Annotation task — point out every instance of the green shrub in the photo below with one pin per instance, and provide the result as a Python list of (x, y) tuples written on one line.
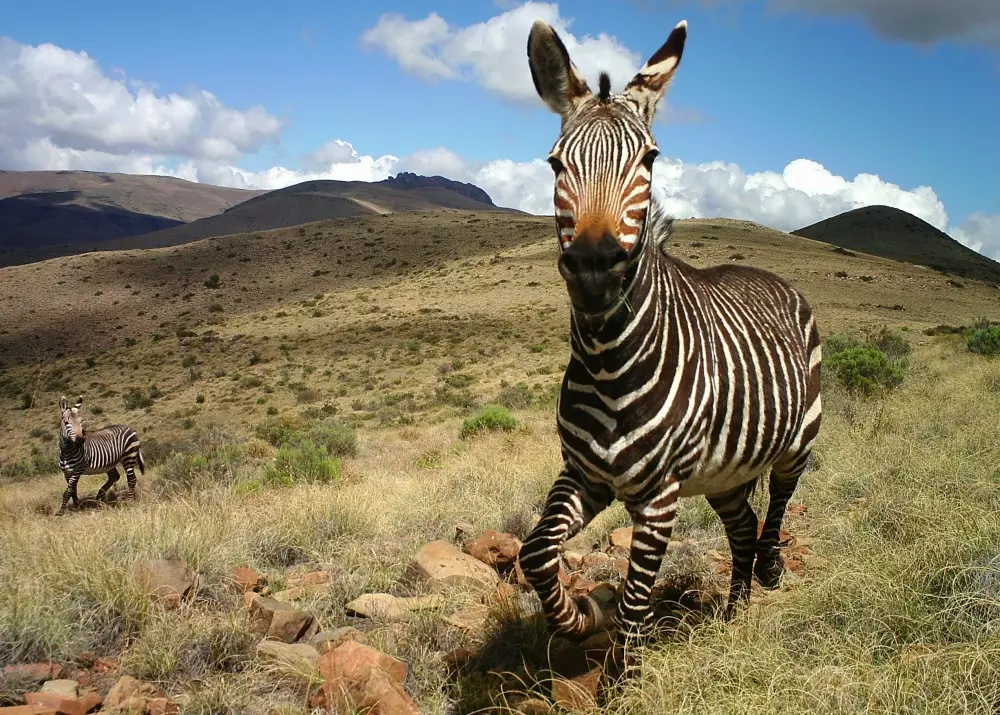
[(213, 281), (213, 456), (302, 462), (866, 369), (279, 430), (490, 418), (134, 399), (984, 341), (515, 397), (338, 439)]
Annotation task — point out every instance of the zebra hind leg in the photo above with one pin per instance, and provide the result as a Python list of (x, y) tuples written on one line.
[(113, 476), (740, 521), (130, 479), (570, 506), (784, 478)]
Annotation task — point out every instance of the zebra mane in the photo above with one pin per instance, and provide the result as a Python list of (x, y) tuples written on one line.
[(604, 87), (659, 226)]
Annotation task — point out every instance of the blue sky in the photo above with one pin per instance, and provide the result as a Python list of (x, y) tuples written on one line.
[(910, 96)]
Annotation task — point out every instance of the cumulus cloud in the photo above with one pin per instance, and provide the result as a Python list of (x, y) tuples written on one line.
[(980, 232), (492, 53), (59, 109)]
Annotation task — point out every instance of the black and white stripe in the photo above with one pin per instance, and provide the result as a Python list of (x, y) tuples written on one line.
[(681, 381), (95, 452)]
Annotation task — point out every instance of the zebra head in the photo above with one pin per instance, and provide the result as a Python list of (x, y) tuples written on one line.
[(72, 421), (603, 163)]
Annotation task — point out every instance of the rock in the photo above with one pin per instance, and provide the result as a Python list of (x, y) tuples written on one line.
[(621, 538), (64, 688), (300, 658), (32, 673), (580, 585), (533, 706), (290, 594), (386, 607), (64, 704), (444, 567), (162, 706), (597, 560), (27, 710), (574, 559), (349, 659), (313, 578), (247, 579), (464, 530), (471, 620), (278, 620), (495, 549), (583, 542), (168, 581), (356, 677), (579, 693), (328, 640), (131, 695), (457, 659)]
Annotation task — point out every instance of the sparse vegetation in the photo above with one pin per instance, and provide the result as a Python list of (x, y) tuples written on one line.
[(870, 365), (490, 418), (984, 341)]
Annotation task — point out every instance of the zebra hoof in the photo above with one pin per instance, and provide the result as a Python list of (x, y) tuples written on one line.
[(768, 571)]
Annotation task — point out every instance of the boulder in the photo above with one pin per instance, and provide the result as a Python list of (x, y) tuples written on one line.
[(356, 677), (28, 710), (280, 621), (131, 695), (386, 607), (325, 641), (578, 693), (348, 660), (621, 538), (471, 620), (247, 579), (495, 549), (63, 704), (300, 658), (167, 581), (32, 673), (444, 567), (162, 706)]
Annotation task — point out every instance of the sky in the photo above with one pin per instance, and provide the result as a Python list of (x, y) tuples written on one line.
[(783, 112)]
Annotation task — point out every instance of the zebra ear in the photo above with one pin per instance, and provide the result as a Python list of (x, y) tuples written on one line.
[(650, 83), (63, 403), (79, 401), (557, 81)]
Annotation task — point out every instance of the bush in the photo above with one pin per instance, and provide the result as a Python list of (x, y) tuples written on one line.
[(337, 438), (302, 462), (134, 399), (984, 341), (490, 418), (866, 369), (213, 281), (515, 397)]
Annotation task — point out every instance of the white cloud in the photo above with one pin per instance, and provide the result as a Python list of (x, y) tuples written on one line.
[(492, 53), (980, 232), (59, 109)]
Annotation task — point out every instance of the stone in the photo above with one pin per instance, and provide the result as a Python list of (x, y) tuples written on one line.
[(313, 578), (278, 620), (533, 706), (372, 692), (574, 559), (328, 640), (457, 659), (247, 579), (167, 581), (300, 658), (28, 710), (621, 538), (290, 594), (463, 530), (33, 673), (131, 695), (64, 704), (348, 661), (65, 688), (496, 549), (444, 567), (386, 607), (471, 620), (581, 585), (162, 706), (578, 693), (597, 560), (583, 542)]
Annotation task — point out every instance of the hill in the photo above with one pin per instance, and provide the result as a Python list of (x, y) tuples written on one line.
[(312, 201), (307, 417), (891, 233), (52, 213)]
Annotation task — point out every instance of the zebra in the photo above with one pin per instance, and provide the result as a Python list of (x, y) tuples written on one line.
[(680, 381), (96, 452)]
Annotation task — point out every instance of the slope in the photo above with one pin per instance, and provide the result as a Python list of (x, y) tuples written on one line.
[(891, 233)]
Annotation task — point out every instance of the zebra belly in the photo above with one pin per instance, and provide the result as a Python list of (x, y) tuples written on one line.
[(709, 482)]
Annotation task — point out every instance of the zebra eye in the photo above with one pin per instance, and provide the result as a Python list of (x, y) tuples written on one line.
[(557, 166), (650, 157)]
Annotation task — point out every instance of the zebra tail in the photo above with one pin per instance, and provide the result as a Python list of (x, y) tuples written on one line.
[(141, 462)]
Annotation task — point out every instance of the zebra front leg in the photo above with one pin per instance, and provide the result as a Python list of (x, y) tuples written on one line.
[(571, 504), (740, 522), (652, 525), (113, 476), (770, 566), (70, 493)]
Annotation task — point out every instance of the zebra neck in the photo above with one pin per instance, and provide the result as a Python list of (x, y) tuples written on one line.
[(68, 448)]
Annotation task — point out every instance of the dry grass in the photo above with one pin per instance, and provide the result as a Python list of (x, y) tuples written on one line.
[(897, 610)]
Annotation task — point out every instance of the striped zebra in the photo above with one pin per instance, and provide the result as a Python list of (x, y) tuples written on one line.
[(96, 452), (681, 381)]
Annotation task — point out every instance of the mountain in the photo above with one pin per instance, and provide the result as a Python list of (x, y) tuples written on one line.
[(44, 214), (323, 200), (892, 233)]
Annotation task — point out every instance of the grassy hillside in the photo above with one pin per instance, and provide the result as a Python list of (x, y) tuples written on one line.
[(891, 233), (54, 213), (893, 607)]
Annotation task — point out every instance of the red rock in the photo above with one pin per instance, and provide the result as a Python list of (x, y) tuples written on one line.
[(443, 566), (325, 641), (621, 538), (104, 665), (33, 672), (131, 695), (278, 620), (28, 710), (580, 585), (372, 692), (314, 578), (247, 579), (579, 693), (457, 659), (64, 705), (349, 659), (495, 549), (598, 559), (167, 581), (162, 706)]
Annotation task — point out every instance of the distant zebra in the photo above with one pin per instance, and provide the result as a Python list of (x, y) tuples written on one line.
[(96, 452), (681, 381)]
